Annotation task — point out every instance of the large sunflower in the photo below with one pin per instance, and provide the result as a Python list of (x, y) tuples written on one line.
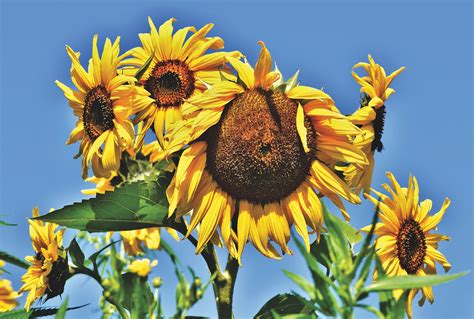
[(370, 117), (404, 243), (259, 151), (103, 103), (49, 269), (178, 70)]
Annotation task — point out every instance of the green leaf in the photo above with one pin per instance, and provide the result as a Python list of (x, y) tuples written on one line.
[(76, 253), (61, 314), (399, 309), (302, 282), (6, 257), (33, 313), (132, 206), (144, 67), (318, 249), (2, 223), (135, 294), (284, 304), (352, 235), (411, 281), (337, 244), (16, 314), (292, 82)]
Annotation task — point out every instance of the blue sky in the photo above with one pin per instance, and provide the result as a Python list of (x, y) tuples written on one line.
[(428, 131)]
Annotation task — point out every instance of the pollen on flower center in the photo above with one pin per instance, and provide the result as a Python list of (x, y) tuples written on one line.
[(254, 152), (98, 114), (170, 83), (411, 246)]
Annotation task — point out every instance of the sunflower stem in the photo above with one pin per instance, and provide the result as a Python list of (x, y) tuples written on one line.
[(86, 271), (225, 283)]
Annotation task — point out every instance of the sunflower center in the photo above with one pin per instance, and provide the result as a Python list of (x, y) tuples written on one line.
[(254, 152), (411, 246), (57, 278), (98, 114), (170, 83)]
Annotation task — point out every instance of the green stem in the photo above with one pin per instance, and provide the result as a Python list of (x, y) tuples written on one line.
[(86, 271), (225, 283)]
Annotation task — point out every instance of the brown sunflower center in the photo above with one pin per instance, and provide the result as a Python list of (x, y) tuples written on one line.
[(254, 152), (98, 114), (170, 83), (411, 246)]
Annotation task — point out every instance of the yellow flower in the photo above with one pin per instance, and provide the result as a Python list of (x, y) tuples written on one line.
[(49, 269), (179, 70), (103, 103), (370, 117), (256, 157), (133, 240), (102, 185), (404, 243), (7, 295), (142, 267)]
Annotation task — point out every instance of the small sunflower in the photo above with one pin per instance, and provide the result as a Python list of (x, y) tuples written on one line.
[(142, 267), (134, 240), (8, 296), (49, 269), (179, 69), (404, 244), (370, 117), (103, 103), (258, 152)]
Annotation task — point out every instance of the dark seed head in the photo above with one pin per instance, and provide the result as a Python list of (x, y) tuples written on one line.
[(411, 246), (98, 114), (254, 152), (170, 83)]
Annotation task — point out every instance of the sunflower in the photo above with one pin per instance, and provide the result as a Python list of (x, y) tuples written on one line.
[(142, 267), (7, 294), (261, 153), (49, 269), (178, 70), (103, 103), (404, 244), (370, 117), (134, 240)]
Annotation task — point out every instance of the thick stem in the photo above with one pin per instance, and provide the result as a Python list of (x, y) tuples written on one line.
[(225, 283)]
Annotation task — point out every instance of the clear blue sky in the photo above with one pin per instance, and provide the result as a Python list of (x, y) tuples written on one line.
[(428, 131)]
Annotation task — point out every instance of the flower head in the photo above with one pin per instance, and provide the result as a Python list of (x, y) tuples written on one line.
[(103, 102), (179, 69), (260, 154), (404, 243), (8, 296), (370, 118), (49, 269), (134, 240), (142, 267)]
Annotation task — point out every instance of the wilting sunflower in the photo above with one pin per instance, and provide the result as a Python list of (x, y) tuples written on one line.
[(370, 117), (103, 103), (49, 269), (260, 155), (404, 243), (179, 69)]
